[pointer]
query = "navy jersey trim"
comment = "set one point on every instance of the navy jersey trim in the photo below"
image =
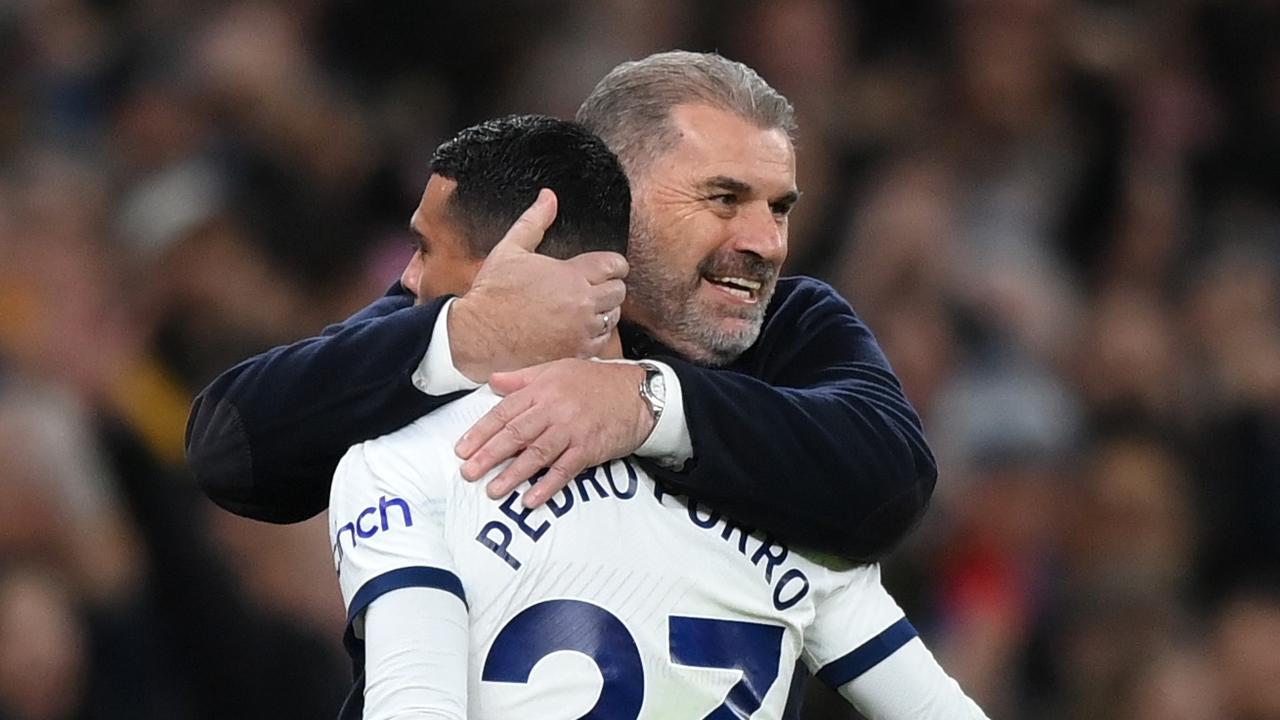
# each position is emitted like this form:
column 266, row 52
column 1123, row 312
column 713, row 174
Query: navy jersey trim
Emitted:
column 418, row 576
column 871, row 653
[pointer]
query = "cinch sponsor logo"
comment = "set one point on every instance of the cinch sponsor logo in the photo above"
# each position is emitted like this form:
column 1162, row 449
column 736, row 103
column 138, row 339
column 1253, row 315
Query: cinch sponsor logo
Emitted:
column 369, row 522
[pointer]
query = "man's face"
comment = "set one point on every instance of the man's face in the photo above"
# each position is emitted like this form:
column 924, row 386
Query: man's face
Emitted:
column 709, row 233
column 442, row 264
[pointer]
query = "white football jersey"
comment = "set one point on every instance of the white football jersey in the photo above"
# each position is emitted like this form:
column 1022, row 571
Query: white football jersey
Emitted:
column 614, row 600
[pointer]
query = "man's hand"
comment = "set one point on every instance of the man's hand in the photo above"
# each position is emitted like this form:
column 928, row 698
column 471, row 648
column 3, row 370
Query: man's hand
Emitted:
column 524, row 308
column 565, row 416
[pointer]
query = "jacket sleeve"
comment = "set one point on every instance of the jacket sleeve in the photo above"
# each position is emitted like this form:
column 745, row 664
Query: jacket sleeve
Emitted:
column 264, row 438
column 811, row 438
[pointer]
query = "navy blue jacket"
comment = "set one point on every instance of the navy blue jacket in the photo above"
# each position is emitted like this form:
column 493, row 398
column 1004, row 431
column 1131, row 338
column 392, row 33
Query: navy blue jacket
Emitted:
column 807, row 436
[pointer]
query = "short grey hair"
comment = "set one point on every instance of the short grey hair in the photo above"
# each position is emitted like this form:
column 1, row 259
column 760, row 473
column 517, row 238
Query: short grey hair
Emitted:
column 630, row 108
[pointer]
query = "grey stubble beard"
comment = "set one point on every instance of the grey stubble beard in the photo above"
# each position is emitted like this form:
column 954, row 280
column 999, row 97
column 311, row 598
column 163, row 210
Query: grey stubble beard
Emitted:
column 669, row 301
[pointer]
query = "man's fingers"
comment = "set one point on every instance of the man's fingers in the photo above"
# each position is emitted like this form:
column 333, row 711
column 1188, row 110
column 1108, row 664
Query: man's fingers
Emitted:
column 600, row 266
column 486, row 427
column 570, row 463
column 519, row 434
column 506, row 383
column 526, row 232
column 601, row 323
column 595, row 347
column 609, row 295
column 541, row 453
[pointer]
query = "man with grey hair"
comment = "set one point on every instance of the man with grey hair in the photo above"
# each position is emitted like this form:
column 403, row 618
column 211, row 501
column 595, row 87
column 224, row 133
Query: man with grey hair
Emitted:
column 764, row 397
column 642, row 109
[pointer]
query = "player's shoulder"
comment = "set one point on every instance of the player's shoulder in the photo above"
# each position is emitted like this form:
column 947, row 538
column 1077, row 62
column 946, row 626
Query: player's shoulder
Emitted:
column 435, row 432
column 453, row 418
column 835, row 574
column 414, row 459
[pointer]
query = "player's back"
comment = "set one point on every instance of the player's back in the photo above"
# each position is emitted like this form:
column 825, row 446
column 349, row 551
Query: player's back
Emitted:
column 615, row 600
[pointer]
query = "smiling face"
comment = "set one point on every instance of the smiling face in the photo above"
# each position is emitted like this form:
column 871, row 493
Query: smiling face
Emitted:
column 709, row 233
column 442, row 263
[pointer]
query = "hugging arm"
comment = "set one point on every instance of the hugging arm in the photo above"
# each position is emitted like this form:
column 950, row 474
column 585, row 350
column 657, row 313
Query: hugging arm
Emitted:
column 264, row 438
column 809, row 436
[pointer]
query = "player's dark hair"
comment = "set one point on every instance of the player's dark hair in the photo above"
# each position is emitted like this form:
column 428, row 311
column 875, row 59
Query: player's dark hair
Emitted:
column 500, row 165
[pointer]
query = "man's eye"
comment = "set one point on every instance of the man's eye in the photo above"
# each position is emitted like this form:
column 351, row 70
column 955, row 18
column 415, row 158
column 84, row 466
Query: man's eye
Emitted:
column 781, row 209
column 726, row 199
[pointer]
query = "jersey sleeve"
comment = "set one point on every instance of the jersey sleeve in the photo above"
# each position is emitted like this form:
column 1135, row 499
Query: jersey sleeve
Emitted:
column 386, row 523
column 857, row 625
column 416, row 642
column 861, row 644
column 910, row 685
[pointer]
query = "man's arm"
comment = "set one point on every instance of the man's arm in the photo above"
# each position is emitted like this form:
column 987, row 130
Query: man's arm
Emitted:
column 406, row 607
column 415, row 656
column 809, row 435
column 263, row 439
column 862, row 645
column 910, row 685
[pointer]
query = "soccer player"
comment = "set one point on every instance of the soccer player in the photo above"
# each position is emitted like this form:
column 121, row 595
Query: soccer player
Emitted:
column 460, row 606
column 824, row 450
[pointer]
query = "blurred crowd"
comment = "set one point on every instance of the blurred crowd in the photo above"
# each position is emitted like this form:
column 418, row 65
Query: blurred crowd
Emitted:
column 1060, row 217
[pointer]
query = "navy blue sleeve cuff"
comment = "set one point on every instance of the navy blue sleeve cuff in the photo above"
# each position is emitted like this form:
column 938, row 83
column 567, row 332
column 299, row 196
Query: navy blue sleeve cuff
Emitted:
column 871, row 653
column 419, row 576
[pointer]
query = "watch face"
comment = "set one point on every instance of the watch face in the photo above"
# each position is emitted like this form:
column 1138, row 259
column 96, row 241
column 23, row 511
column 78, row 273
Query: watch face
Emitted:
column 657, row 383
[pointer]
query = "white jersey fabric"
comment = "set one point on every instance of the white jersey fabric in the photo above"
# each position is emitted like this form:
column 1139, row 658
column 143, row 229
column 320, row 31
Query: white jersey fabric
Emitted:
column 614, row 600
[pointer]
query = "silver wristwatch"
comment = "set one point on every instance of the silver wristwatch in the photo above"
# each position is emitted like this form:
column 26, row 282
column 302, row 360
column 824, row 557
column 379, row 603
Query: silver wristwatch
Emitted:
column 653, row 389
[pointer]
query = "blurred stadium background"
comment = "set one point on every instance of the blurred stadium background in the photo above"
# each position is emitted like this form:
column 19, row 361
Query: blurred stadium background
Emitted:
column 1061, row 217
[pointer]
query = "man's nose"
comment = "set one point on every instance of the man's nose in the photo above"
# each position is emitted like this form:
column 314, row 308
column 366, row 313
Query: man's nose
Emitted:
column 762, row 233
column 411, row 278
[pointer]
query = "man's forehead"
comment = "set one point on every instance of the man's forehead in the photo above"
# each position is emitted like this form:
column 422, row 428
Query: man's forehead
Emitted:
column 716, row 143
